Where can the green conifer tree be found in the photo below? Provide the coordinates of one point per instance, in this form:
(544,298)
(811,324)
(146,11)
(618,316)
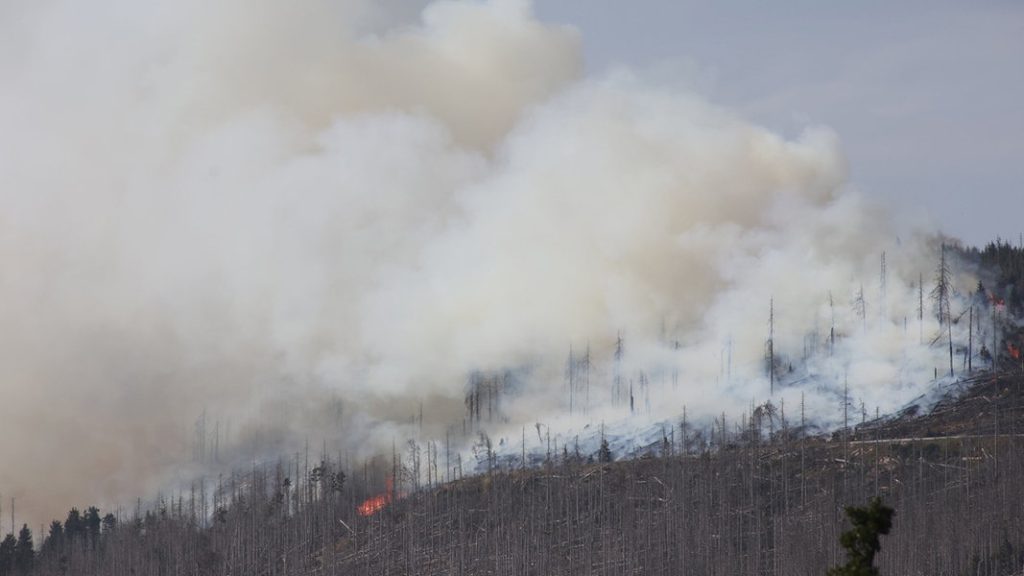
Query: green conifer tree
(73,527)
(93,523)
(24,551)
(604,454)
(55,539)
(7,548)
(109,523)
(861,541)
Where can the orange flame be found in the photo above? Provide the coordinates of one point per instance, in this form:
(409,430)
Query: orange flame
(375,504)
(1013,350)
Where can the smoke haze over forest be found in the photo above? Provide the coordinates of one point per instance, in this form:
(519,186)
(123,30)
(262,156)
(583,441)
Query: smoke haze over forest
(313,220)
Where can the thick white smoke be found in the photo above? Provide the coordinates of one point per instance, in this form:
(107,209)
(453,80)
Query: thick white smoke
(228,207)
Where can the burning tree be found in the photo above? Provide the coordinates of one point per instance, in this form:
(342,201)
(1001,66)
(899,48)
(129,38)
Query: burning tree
(375,504)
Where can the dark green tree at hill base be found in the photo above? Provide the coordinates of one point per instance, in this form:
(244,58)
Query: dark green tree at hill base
(109,523)
(93,523)
(861,541)
(24,551)
(7,548)
(73,526)
(56,537)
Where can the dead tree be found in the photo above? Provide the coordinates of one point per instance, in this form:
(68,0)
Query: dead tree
(940,296)
(860,307)
(770,347)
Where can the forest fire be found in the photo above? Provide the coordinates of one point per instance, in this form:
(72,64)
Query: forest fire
(1013,350)
(375,504)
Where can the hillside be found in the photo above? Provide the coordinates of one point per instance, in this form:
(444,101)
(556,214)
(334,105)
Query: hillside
(758,495)
(749,503)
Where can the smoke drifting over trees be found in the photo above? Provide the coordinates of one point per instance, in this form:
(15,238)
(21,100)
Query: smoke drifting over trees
(320,218)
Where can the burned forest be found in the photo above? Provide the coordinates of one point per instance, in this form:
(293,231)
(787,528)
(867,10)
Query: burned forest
(762,494)
(747,502)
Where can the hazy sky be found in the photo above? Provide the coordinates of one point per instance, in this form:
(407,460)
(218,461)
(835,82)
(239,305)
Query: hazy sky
(927,97)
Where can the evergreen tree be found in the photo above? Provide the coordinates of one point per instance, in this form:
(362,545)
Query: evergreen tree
(109,523)
(24,551)
(338,481)
(73,526)
(604,454)
(93,523)
(55,539)
(7,548)
(861,542)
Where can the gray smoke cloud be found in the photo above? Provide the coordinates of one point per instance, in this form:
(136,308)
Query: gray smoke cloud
(311,218)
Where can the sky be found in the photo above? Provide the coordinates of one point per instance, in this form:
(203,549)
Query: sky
(927,97)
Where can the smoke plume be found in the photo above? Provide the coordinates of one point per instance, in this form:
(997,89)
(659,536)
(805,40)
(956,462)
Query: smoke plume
(310,219)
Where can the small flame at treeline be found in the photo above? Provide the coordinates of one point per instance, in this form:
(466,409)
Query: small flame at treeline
(375,504)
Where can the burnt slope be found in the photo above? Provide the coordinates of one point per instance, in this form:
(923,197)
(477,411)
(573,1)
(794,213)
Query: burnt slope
(745,505)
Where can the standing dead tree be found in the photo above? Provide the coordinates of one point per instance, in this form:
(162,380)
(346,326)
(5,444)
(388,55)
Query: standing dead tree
(940,296)
(770,347)
(882,280)
(860,307)
(920,308)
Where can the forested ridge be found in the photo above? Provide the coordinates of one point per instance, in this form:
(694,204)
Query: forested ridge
(1007,263)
